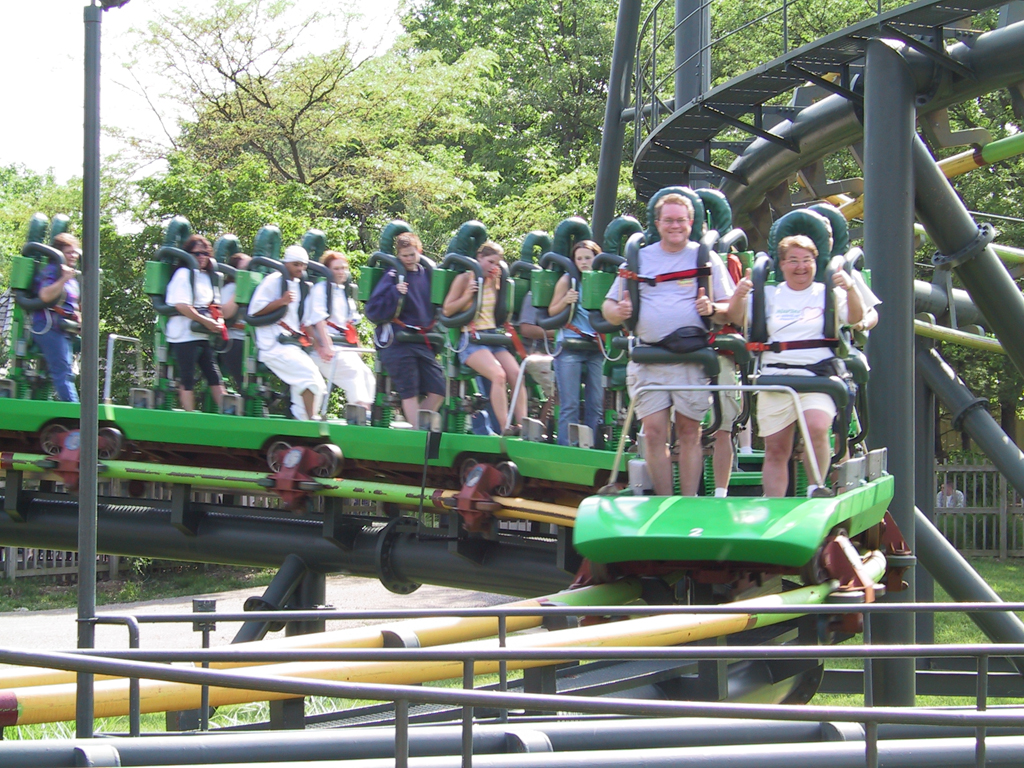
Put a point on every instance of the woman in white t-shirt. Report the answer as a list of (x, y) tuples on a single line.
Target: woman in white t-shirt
[(191, 292), (795, 311)]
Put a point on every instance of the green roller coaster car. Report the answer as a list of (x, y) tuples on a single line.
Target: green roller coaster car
[(784, 532)]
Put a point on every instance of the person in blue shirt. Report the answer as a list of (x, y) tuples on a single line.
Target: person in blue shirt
[(575, 367), (58, 282), (413, 367)]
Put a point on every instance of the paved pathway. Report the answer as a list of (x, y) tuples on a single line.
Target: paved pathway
[(56, 629)]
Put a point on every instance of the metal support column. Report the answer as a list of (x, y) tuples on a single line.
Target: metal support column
[(889, 133), (614, 133), (90, 305), (692, 60), (311, 594), (924, 483)]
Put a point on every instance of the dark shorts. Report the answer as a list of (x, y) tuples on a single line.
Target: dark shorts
[(413, 369), (186, 355)]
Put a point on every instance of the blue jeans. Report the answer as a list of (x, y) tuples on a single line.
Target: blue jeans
[(573, 368), (56, 347)]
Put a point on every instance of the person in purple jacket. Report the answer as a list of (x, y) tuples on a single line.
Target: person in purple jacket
[(413, 367), (58, 282)]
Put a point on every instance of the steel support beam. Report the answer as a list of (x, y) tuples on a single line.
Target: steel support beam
[(924, 483), (955, 575), (614, 133), (889, 134), (971, 415), (275, 597), (949, 225), (692, 63)]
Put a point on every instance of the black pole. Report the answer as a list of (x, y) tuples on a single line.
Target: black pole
[(889, 132), (963, 247), (924, 483), (614, 132), (274, 598), (90, 305)]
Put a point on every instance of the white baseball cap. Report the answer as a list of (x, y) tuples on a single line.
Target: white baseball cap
[(295, 253)]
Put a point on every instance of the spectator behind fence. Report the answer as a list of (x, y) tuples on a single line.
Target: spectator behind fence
[(949, 496)]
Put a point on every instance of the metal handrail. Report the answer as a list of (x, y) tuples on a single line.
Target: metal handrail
[(112, 339)]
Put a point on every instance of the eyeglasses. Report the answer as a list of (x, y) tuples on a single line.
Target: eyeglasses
[(799, 262), (201, 253), (673, 222)]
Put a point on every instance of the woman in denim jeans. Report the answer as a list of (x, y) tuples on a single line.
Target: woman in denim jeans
[(576, 366), (58, 283)]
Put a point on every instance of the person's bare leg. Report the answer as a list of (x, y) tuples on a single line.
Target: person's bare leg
[(484, 363), (818, 424), (723, 456), (217, 390), (511, 368), (411, 409), (307, 400), (775, 470), (186, 399), (432, 402), (656, 452), (690, 454)]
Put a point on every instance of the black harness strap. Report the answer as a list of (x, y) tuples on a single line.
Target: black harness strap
[(666, 277)]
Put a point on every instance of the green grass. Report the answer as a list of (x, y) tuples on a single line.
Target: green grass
[(39, 593), (1006, 578)]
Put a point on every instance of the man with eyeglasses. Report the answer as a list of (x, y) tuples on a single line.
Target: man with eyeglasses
[(667, 307)]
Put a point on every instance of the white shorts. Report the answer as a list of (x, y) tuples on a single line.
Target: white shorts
[(775, 411), (540, 369), (294, 367), (351, 375), (731, 401), (694, 405)]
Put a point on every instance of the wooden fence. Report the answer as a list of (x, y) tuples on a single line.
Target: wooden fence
[(991, 521)]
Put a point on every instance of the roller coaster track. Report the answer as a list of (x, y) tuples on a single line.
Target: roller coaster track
[(684, 137)]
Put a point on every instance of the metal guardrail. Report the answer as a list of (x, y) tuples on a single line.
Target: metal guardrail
[(141, 664)]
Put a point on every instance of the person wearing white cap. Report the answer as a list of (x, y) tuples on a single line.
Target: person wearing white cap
[(289, 362)]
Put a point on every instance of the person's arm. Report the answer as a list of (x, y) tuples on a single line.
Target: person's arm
[(738, 302), (274, 304), (179, 295), (563, 296), (854, 305), (460, 295), (322, 339), (617, 306), (229, 308), (535, 332), (52, 292)]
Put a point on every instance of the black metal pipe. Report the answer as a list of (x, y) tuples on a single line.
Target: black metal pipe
[(503, 567), (889, 132), (276, 596), (950, 226), (90, 308), (955, 575), (932, 298), (971, 415), (594, 733), (613, 135)]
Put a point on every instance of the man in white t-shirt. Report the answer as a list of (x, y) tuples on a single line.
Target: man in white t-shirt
[(289, 362), (664, 308)]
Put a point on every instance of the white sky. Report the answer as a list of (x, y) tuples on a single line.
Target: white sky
[(41, 71)]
